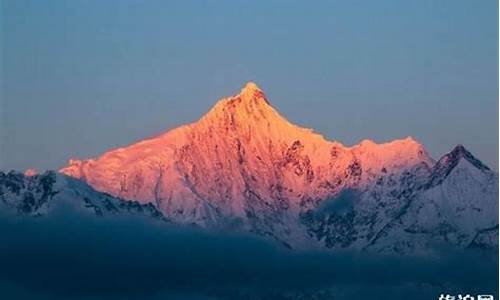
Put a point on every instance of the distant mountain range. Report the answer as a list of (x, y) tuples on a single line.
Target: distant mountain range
[(40, 194), (244, 167)]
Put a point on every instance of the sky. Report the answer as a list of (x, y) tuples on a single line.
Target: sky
[(81, 77)]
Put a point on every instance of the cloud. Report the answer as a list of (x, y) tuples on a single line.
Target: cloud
[(69, 256)]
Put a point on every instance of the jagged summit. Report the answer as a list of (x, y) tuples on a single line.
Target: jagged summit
[(252, 91), (460, 152), (251, 86), (244, 166), (250, 100), (249, 116), (451, 160), (242, 156)]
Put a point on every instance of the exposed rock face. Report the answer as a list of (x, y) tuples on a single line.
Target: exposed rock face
[(244, 165), (38, 195)]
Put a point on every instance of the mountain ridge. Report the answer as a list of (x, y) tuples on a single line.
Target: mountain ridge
[(244, 137), (40, 194), (244, 165)]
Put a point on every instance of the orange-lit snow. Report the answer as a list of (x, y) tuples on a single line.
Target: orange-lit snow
[(30, 172), (242, 149)]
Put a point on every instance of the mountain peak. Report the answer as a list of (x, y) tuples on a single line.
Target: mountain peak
[(252, 92), (250, 103), (30, 172), (449, 161), (250, 87), (460, 152)]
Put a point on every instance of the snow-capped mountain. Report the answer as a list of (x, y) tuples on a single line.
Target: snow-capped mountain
[(39, 195), (244, 166), (456, 204), (241, 152)]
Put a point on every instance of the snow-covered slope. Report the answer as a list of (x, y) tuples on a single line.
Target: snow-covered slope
[(243, 165), (455, 205), (240, 152), (38, 195), (458, 206)]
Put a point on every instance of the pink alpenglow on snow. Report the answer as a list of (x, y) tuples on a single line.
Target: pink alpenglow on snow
[(243, 150), (30, 172)]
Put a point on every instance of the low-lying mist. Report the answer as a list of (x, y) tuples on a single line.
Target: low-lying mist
[(70, 256)]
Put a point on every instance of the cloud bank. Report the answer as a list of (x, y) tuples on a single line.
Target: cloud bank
[(69, 256)]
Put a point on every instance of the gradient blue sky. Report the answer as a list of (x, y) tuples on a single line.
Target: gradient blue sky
[(80, 77)]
